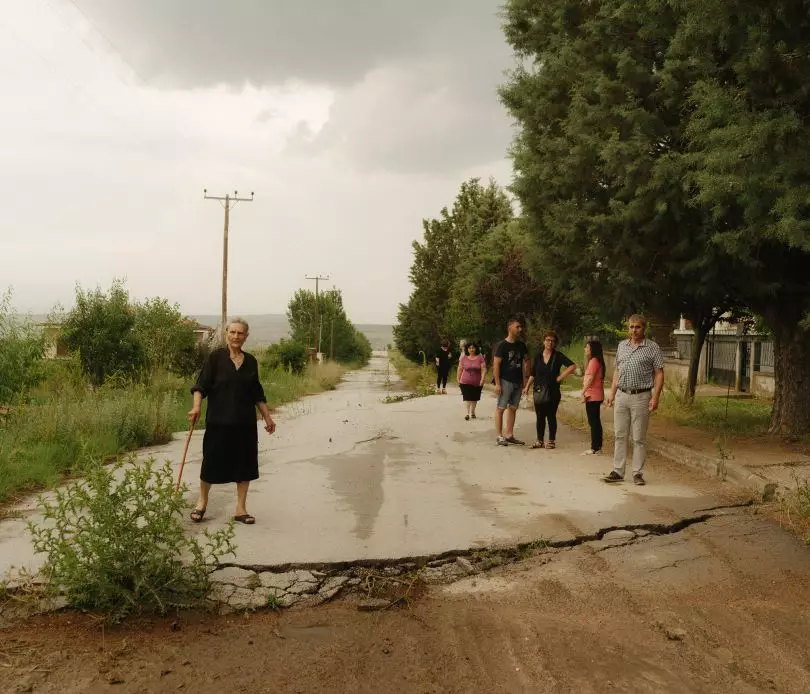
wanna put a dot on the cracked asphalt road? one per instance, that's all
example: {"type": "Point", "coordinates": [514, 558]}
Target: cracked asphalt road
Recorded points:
{"type": "Point", "coordinates": [704, 597]}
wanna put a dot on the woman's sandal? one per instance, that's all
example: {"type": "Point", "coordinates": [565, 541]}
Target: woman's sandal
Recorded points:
{"type": "Point", "coordinates": [538, 444]}
{"type": "Point", "coordinates": [551, 444]}
{"type": "Point", "coordinates": [245, 518]}
{"type": "Point", "coordinates": [197, 514]}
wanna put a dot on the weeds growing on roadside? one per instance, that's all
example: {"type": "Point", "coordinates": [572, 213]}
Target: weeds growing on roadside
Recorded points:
{"type": "Point", "coordinates": [116, 542]}
{"type": "Point", "coordinates": [420, 379]}
{"type": "Point", "coordinates": [795, 507]}
{"type": "Point", "coordinates": [65, 423]}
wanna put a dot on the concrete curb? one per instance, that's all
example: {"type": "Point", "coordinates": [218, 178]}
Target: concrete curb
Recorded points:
{"type": "Point", "coordinates": [572, 412]}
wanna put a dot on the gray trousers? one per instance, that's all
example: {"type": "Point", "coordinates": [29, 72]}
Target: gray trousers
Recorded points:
{"type": "Point", "coordinates": [631, 414]}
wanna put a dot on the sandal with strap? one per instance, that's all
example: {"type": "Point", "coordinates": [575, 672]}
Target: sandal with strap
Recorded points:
{"type": "Point", "coordinates": [538, 444]}
{"type": "Point", "coordinates": [245, 518]}
{"type": "Point", "coordinates": [551, 444]}
{"type": "Point", "coordinates": [197, 514]}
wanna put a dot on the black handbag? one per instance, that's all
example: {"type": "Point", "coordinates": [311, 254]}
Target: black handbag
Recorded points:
{"type": "Point", "coordinates": [543, 395]}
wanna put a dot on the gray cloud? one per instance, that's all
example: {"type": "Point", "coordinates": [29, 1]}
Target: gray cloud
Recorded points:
{"type": "Point", "coordinates": [415, 81]}
{"type": "Point", "coordinates": [336, 42]}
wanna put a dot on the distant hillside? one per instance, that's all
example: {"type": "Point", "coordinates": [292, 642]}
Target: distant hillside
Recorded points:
{"type": "Point", "coordinates": [268, 328]}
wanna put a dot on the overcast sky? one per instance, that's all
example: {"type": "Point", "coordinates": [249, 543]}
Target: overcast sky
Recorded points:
{"type": "Point", "coordinates": [350, 119]}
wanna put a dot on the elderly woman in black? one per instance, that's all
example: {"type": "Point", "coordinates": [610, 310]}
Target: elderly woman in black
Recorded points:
{"type": "Point", "coordinates": [230, 380]}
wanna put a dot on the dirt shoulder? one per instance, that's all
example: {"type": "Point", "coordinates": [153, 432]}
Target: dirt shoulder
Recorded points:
{"type": "Point", "coordinates": [722, 606]}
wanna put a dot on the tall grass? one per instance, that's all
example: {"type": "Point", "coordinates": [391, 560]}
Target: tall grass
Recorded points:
{"type": "Point", "coordinates": [726, 415]}
{"type": "Point", "coordinates": [282, 386]}
{"type": "Point", "coordinates": [420, 378]}
{"type": "Point", "coordinates": [54, 434]}
{"type": "Point", "coordinates": [65, 425]}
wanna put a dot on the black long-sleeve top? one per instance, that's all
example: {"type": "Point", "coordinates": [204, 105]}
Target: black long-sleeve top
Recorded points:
{"type": "Point", "coordinates": [232, 393]}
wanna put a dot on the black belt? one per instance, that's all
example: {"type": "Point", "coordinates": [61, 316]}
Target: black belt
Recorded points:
{"type": "Point", "coordinates": [636, 391]}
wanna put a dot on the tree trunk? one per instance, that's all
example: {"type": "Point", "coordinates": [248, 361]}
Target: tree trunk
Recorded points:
{"type": "Point", "coordinates": [702, 328]}
{"type": "Point", "coordinates": [791, 404]}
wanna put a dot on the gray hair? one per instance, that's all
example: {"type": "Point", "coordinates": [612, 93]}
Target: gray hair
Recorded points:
{"type": "Point", "coordinates": [241, 321]}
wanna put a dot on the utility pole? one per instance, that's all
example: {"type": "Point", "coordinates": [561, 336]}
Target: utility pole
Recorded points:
{"type": "Point", "coordinates": [317, 279]}
{"type": "Point", "coordinates": [332, 341]}
{"type": "Point", "coordinates": [227, 202]}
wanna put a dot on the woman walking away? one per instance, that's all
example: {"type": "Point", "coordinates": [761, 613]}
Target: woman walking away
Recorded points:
{"type": "Point", "coordinates": [472, 370]}
{"type": "Point", "coordinates": [230, 380]}
{"type": "Point", "coordinates": [593, 392]}
{"type": "Point", "coordinates": [443, 367]}
{"type": "Point", "coordinates": [545, 380]}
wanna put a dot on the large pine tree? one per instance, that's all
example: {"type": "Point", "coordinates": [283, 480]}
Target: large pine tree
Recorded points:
{"type": "Point", "coordinates": [650, 165]}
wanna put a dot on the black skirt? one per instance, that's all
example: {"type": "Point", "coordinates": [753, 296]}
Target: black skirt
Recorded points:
{"type": "Point", "coordinates": [470, 393]}
{"type": "Point", "coordinates": [230, 453]}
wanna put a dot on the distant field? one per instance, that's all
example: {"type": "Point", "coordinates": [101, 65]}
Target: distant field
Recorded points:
{"type": "Point", "coordinates": [268, 328]}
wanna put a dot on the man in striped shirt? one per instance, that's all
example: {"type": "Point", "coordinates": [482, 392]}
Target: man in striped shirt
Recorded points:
{"type": "Point", "coordinates": [637, 383]}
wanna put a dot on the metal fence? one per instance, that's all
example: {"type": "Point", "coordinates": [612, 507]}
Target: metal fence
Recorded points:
{"type": "Point", "coordinates": [721, 356]}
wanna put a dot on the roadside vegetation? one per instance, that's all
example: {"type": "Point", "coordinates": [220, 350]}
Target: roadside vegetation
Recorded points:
{"type": "Point", "coordinates": [123, 385]}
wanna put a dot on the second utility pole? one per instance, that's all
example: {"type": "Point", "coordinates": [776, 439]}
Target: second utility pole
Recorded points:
{"type": "Point", "coordinates": [317, 279]}
{"type": "Point", "coordinates": [228, 202]}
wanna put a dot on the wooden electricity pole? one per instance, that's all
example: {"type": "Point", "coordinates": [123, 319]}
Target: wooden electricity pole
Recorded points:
{"type": "Point", "coordinates": [317, 279]}
{"type": "Point", "coordinates": [227, 202]}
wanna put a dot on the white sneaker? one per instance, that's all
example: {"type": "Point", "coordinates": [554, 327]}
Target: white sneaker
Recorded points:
{"type": "Point", "coordinates": [590, 451]}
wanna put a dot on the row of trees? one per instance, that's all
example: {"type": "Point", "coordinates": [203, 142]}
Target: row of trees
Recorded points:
{"type": "Point", "coordinates": [662, 162]}
{"type": "Point", "coordinates": [471, 272]}
{"type": "Point", "coordinates": [661, 165]}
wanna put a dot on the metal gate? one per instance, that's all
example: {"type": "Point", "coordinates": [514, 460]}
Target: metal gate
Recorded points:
{"type": "Point", "coordinates": [721, 360]}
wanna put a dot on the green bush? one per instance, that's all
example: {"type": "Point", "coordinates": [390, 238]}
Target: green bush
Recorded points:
{"type": "Point", "coordinates": [22, 352]}
{"type": "Point", "coordinates": [285, 354]}
{"type": "Point", "coordinates": [100, 330]}
{"type": "Point", "coordinates": [120, 546]}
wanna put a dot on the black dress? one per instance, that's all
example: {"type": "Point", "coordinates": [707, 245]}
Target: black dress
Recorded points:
{"type": "Point", "coordinates": [230, 443]}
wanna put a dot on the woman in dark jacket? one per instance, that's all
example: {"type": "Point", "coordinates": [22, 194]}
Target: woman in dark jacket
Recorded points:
{"type": "Point", "coordinates": [545, 381]}
{"type": "Point", "coordinates": [230, 380]}
{"type": "Point", "coordinates": [443, 359]}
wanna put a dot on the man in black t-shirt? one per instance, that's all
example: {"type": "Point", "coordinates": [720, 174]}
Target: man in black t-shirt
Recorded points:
{"type": "Point", "coordinates": [511, 370]}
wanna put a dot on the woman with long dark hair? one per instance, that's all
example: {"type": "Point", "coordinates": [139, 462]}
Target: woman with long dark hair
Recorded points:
{"type": "Point", "coordinates": [593, 392]}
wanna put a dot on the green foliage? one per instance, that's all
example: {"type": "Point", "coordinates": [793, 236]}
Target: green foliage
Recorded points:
{"type": "Point", "coordinates": [661, 160]}
{"type": "Point", "coordinates": [117, 339]}
{"type": "Point", "coordinates": [448, 240]}
{"type": "Point", "coordinates": [120, 546]}
{"type": "Point", "coordinates": [166, 337]}
{"type": "Point", "coordinates": [100, 330]}
{"type": "Point", "coordinates": [285, 354]}
{"type": "Point", "coordinates": [495, 281]}
{"type": "Point", "coordinates": [339, 339]}
{"type": "Point", "coordinates": [22, 351]}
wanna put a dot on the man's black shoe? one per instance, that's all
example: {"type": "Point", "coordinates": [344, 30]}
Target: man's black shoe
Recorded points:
{"type": "Point", "coordinates": [613, 477]}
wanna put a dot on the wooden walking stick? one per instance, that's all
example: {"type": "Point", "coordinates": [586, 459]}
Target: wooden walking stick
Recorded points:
{"type": "Point", "coordinates": [185, 451]}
